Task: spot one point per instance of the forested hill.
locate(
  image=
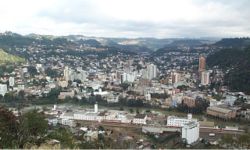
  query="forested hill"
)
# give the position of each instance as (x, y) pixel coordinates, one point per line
(237, 62)
(233, 42)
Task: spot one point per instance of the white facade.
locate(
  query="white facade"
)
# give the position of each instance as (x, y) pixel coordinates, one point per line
(151, 71)
(190, 132)
(205, 78)
(230, 100)
(3, 89)
(140, 119)
(148, 96)
(79, 75)
(12, 81)
(63, 83)
(96, 108)
(53, 121)
(66, 73)
(67, 122)
(179, 122)
(111, 98)
(128, 77)
(39, 67)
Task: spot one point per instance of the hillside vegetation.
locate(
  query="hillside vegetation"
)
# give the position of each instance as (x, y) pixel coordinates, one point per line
(234, 42)
(8, 58)
(236, 64)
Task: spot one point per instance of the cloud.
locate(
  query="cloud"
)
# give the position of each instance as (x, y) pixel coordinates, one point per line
(128, 18)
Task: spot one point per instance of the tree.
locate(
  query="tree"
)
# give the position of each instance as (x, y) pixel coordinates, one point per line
(101, 128)
(64, 136)
(124, 86)
(32, 129)
(53, 94)
(52, 73)
(227, 139)
(32, 70)
(21, 95)
(9, 97)
(8, 129)
(182, 87)
(243, 140)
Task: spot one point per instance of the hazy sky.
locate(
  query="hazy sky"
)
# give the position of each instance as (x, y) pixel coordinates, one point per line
(127, 18)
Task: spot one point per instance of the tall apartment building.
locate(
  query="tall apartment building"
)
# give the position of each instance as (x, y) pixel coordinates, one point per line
(202, 64)
(151, 71)
(205, 78)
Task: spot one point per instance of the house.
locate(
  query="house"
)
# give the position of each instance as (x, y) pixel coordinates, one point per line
(140, 119)
(63, 95)
(91, 135)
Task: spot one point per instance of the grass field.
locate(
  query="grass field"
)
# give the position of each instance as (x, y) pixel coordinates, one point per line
(8, 58)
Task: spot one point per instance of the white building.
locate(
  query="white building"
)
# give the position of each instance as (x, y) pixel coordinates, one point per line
(3, 89)
(190, 132)
(230, 100)
(148, 96)
(205, 78)
(100, 92)
(39, 67)
(174, 121)
(140, 119)
(53, 121)
(66, 73)
(112, 98)
(67, 122)
(79, 75)
(12, 81)
(151, 71)
(128, 77)
(89, 116)
(96, 108)
(25, 70)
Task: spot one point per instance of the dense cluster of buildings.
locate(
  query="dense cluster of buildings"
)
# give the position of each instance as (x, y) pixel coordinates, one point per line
(96, 115)
(165, 81)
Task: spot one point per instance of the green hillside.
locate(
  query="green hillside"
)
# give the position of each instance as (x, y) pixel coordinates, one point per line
(237, 61)
(8, 58)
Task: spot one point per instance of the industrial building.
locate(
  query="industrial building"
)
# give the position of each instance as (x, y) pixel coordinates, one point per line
(220, 112)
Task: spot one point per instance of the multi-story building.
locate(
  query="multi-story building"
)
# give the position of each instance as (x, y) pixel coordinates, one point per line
(151, 71)
(175, 77)
(140, 119)
(189, 101)
(205, 78)
(11, 81)
(3, 89)
(202, 63)
(66, 73)
(128, 77)
(179, 122)
(224, 113)
(190, 132)
(63, 95)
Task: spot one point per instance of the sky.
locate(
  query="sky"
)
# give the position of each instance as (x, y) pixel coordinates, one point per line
(127, 18)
